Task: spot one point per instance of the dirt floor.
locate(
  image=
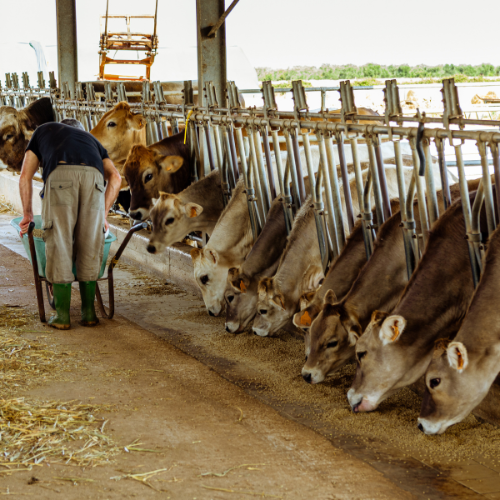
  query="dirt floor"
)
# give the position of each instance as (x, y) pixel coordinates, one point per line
(227, 416)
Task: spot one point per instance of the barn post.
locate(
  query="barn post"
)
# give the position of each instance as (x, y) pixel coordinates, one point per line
(211, 49)
(67, 54)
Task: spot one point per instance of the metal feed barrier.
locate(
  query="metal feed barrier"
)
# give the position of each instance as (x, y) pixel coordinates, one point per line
(236, 138)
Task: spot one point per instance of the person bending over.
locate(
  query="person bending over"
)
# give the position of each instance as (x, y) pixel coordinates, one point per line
(75, 204)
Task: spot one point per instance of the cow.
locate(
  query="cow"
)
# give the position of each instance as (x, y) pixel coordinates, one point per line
(118, 131)
(229, 244)
(17, 127)
(263, 259)
(299, 271)
(197, 208)
(461, 372)
(396, 348)
(162, 166)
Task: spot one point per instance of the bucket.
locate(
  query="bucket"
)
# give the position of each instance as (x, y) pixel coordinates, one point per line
(40, 247)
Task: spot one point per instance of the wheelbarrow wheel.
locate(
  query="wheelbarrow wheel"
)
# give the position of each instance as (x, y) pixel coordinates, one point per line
(50, 294)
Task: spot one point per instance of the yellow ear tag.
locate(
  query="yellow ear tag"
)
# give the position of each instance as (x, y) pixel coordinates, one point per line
(305, 319)
(460, 360)
(243, 287)
(395, 329)
(192, 212)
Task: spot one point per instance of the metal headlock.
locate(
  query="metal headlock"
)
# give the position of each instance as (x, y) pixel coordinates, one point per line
(248, 141)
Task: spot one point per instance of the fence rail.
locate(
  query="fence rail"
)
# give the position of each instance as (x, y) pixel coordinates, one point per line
(237, 139)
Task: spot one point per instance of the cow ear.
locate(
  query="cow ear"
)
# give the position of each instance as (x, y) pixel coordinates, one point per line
(138, 121)
(265, 284)
(306, 299)
(212, 255)
(330, 298)
(170, 163)
(302, 319)
(193, 209)
(312, 277)
(457, 356)
(354, 333)
(195, 253)
(391, 329)
(232, 273)
(279, 300)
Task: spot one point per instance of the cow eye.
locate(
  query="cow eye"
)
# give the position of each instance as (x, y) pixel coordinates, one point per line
(333, 343)
(9, 137)
(263, 311)
(360, 356)
(434, 382)
(148, 178)
(306, 357)
(204, 279)
(169, 221)
(111, 124)
(230, 298)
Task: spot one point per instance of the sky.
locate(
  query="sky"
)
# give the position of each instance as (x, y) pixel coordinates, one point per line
(282, 33)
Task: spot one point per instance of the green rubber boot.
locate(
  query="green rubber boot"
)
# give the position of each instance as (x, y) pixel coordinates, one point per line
(87, 293)
(62, 301)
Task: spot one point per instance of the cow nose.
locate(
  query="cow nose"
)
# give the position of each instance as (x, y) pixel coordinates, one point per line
(211, 313)
(307, 377)
(228, 330)
(151, 249)
(136, 215)
(420, 427)
(355, 407)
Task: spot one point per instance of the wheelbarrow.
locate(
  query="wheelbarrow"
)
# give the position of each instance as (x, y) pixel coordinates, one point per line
(35, 248)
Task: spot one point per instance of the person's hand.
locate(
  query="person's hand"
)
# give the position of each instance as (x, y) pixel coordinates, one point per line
(25, 224)
(106, 225)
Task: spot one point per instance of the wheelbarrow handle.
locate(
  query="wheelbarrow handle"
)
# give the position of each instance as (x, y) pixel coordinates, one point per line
(36, 275)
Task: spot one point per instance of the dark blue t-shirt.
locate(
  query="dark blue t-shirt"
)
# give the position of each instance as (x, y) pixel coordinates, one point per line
(55, 142)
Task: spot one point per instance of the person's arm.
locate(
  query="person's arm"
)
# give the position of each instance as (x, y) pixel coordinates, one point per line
(114, 180)
(30, 166)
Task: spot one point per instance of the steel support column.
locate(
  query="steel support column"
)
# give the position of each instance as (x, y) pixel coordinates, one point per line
(67, 47)
(211, 51)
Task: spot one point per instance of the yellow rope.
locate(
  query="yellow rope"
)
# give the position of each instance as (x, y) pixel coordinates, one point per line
(186, 129)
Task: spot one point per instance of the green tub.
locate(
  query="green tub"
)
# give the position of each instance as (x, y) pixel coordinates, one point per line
(40, 247)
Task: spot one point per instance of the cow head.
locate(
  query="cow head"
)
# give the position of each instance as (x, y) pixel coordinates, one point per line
(384, 365)
(273, 311)
(210, 273)
(147, 173)
(330, 339)
(17, 127)
(454, 387)
(170, 217)
(241, 300)
(118, 130)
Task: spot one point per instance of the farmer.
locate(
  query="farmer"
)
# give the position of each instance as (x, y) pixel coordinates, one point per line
(75, 204)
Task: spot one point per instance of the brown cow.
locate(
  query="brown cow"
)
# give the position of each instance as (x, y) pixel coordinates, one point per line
(461, 372)
(263, 259)
(396, 349)
(118, 131)
(17, 127)
(163, 166)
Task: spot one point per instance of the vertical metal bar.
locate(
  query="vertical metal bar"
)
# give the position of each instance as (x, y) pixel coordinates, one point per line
(269, 163)
(334, 231)
(445, 184)
(432, 204)
(379, 206)
(293, 169)
(234, 156)
(419, 182)
(197, 165)
(496, 167)
(337, 199)
(256, 154)
(67, 49)
(464, 195)
(298, 166)
(164, 129)
(277, 154)
(218, 146)
(339, 136)
(488, 192)
(209, 147)
(381, 177)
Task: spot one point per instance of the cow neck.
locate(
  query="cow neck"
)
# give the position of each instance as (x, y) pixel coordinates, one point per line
(480, 330)
(302, 250)
(207, 193)
(346, 267)
(232, 236)
(440, 288)
(383, 277)
(270, 243)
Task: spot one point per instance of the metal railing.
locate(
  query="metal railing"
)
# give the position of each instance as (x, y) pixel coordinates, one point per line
(238, 140)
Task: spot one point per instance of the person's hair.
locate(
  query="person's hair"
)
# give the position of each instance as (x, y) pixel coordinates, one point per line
(73, 123)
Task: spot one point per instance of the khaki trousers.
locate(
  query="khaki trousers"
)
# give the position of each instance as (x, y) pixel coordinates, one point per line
(73, 223)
